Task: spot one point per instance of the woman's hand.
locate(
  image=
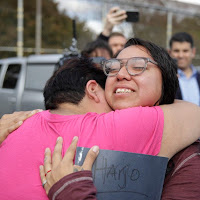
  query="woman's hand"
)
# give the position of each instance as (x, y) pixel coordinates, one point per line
(114, 17)
(56, 168)
(10, 122)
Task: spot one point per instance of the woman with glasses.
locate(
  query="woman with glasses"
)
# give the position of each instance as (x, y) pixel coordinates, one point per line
(155, 84)
(146, 71)
(140, 76)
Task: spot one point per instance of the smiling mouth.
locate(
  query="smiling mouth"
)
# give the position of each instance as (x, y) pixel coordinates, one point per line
(123, 90)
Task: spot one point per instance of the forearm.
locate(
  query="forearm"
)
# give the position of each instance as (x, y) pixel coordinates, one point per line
(78, 185)
(108, 27)
(181, 127)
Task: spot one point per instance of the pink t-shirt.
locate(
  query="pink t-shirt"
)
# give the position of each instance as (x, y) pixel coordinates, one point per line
(137, 130)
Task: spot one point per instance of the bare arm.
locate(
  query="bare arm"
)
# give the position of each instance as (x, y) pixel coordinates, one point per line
(181, 127)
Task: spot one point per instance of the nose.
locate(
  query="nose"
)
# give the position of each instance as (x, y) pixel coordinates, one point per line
(123, 74)
(180, 54)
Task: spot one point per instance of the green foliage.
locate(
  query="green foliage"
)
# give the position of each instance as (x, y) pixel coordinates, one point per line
(56, 26)
(152, 27)
(8, 21)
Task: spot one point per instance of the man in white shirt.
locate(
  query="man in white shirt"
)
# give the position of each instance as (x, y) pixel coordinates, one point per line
(182, 49)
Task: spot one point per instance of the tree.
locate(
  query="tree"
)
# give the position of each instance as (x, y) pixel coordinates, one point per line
(56, 26)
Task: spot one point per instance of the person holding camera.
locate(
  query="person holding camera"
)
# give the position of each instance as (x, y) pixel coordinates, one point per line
(115, 40)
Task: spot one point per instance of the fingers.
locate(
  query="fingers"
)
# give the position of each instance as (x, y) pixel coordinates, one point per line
(57, 154)
(10, 122)
(3, 136)
(119, 18)
(63, 166)
(13, 127)
(23, 115)
(90, 158)
(70, 153)
(119, 13)
(116, 15)
(19, 116)
(42, 176)
(4, 133)
(47, 161)
(114, 9)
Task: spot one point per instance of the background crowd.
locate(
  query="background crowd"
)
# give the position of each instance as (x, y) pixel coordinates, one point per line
(182, 176)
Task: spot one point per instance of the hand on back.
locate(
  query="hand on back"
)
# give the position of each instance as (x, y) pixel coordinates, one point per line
(57, 167)
(10, 122)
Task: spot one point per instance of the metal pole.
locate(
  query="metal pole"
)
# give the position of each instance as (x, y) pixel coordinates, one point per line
(74, 28)
(104, 11)
(38, 27)
(20, 28)
(169, 28)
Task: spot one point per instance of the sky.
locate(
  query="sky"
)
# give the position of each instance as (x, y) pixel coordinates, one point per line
(93, 19)
(191, 1)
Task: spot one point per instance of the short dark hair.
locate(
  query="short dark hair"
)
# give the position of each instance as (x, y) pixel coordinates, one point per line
(181, 37)
(167, 66)
(67, 84)
(96, 44)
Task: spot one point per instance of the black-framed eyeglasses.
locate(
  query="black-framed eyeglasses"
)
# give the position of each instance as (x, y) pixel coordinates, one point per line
(134, 65)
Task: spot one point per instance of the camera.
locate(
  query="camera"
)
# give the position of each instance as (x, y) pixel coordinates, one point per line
(132, 16)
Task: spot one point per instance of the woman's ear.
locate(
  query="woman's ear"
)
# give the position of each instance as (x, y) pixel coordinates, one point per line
(91, 90)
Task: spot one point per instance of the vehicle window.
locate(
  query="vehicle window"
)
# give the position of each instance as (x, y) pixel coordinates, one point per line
(37, 75)
(11, 76)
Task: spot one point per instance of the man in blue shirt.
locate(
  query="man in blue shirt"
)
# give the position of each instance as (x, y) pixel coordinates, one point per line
(182, 49)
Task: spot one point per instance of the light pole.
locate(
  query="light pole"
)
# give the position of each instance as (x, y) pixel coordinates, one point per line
(20, 28)
(169, 27)
(38, 27)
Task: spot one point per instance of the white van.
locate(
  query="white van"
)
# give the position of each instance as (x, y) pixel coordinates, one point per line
(22, 81)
